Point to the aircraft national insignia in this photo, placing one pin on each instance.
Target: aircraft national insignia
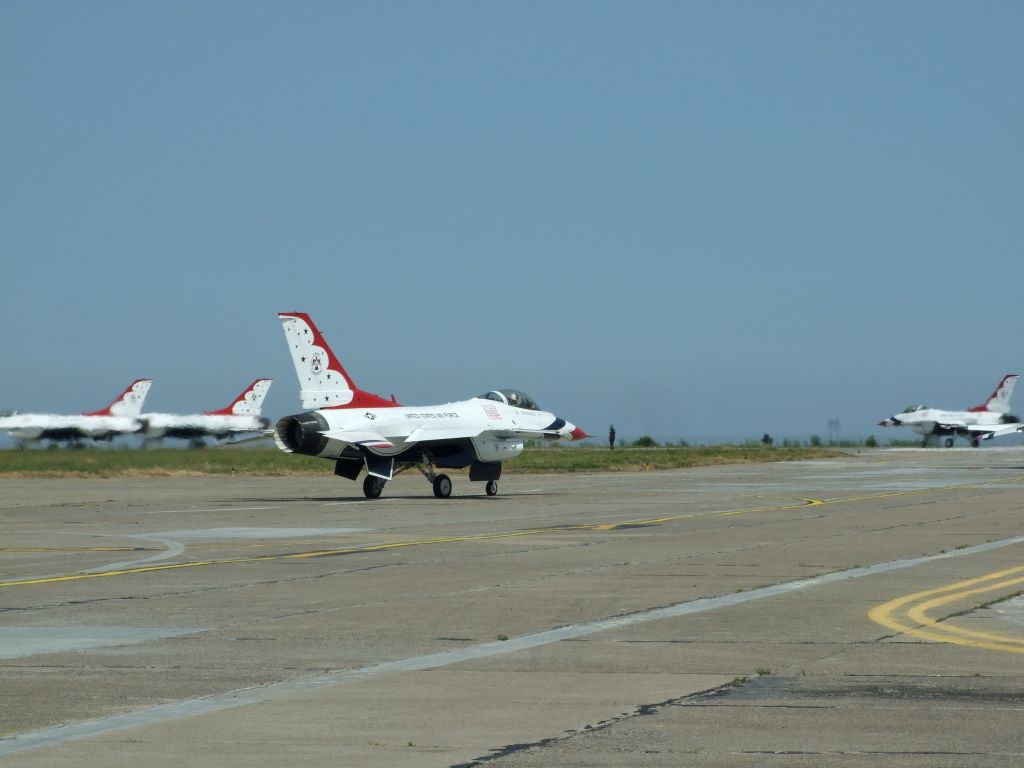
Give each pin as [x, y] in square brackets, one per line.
[370, 416]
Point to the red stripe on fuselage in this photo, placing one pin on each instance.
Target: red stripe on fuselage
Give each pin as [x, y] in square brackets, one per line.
[362, 399]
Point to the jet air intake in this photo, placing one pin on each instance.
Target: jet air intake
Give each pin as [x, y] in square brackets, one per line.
[301, 433]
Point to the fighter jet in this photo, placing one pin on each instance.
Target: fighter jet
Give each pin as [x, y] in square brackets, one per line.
[359, 430]
[242, 415]
[121, 417]
[979, 423]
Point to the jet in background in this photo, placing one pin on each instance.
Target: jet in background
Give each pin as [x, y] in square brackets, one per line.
[990, 419]
[242, 415]
[359, 430]
[121, 417]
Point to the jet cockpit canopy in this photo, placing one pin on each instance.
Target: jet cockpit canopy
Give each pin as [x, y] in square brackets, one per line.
[512, 397]
[912, 408]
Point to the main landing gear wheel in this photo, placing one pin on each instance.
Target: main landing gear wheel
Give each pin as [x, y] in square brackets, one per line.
[372, 486]
[975, 442]
[949, 442]
[492, 488]
[442, 486]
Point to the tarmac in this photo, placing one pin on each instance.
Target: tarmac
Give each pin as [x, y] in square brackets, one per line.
[862, 611]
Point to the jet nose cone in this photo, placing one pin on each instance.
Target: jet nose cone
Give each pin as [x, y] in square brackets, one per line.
[884, 423]
[578, 434]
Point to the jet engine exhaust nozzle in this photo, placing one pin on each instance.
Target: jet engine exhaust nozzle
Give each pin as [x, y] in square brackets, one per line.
[301, 433]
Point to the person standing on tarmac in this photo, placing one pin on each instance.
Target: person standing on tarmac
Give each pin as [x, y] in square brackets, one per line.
[611, 437]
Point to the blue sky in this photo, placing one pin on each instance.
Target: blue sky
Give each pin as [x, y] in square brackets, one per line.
[695, 220]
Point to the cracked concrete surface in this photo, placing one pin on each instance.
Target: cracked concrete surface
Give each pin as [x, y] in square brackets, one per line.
[315, 592]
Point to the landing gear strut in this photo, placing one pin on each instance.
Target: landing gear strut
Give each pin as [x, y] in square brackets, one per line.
[442, 484]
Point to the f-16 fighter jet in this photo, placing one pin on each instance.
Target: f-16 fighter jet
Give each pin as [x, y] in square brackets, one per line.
[979, 423]
[243, 415]
[121, 417]
[359, 430]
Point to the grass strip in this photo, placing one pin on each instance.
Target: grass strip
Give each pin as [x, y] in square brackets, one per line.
[169, 462]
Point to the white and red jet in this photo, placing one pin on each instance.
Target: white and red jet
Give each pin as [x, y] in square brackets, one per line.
[360, 430]
[242, 415]
[981, 422]
[121, 417]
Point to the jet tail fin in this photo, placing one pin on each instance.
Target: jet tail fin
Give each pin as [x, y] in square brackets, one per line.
[249, 403]
[128, 403]
[999, 401]
[323, 382]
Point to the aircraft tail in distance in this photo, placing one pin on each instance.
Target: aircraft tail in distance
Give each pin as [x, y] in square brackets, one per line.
[249, 403]
[128, 403]
[999, 401]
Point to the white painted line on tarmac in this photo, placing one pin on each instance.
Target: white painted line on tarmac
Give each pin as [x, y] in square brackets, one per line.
[356, 501]
[215, 509]
[18, 642]
[207, 704]
[171, 549]
[169, 540]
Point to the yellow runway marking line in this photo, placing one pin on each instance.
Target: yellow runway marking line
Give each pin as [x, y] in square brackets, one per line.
[808, 502]
[268, 558]
[374, 547]
[72, 549]
[909, 614]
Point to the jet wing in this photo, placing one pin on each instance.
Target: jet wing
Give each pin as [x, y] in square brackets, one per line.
[527, 434]
[994, 430]
[444, 433]
[369, 439]
[462, 432]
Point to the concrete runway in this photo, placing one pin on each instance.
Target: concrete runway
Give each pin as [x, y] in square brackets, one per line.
[831, 613]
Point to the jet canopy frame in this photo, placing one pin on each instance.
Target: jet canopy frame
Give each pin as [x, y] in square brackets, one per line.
[513, 397]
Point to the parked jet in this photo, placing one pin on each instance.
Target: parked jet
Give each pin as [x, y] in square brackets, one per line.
[357, 429]
[979, 423]
[121, 417]
[242, 415]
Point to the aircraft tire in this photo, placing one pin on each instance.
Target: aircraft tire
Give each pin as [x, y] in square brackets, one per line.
[949, 442]
[372, 487]
[492, 488]
[442, 486]
[975, 443]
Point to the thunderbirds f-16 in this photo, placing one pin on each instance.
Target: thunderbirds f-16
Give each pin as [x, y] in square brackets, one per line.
[357, 429]
[979, 423]
[121, 417]
[242, 415]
